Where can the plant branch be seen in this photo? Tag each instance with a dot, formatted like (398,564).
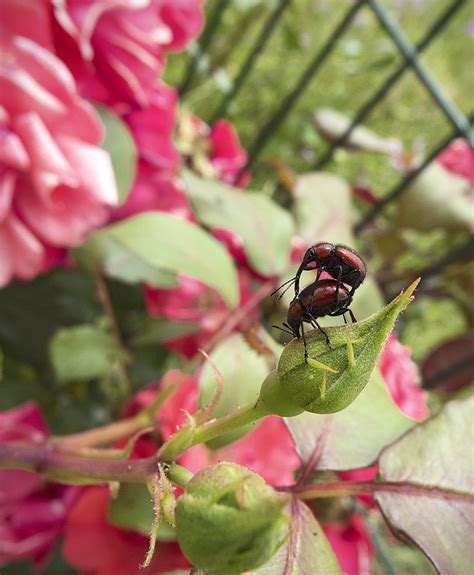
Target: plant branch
(51,464)
(187,437)
(118,429)
(342,488)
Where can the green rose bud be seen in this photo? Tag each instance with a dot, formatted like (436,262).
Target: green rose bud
(229,520)
(274,398)
(334,376)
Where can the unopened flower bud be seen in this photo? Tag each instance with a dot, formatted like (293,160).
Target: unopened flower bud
(229,520)
(333,376)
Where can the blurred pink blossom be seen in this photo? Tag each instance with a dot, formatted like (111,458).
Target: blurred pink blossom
(213,152)
(458,158)
(227,155)
(116,49)
(195,302)
(352,545)
(56,183)
(153,126)
(155,190)
(401,376)
(32,511)
(96,547)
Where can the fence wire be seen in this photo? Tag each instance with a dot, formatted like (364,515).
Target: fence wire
(462,124)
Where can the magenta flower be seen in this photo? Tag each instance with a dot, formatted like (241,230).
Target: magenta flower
(194,302)
(213,152)
(57,184)
(96,547)
(227,155)
(154,190)
(401,376)
(32,511)
(458,158)
(352,545)
(116,49)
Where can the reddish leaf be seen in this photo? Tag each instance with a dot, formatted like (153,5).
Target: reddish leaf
(429,494)
(306,550)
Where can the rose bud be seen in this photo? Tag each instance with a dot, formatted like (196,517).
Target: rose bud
(333,375)
(229,520)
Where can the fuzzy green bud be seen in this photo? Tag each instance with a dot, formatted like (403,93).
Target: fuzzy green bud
(229,520)
(274,398)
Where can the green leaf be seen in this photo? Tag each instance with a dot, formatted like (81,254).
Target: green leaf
(31,312)
(323,208)
(119,144)
(265,228)
(321,391)
(84,352)
(154,331)
(124,264)
(133,509)
(354,437)
(437,198)
(242,371)
(306,549)
(166,246)
(429,496)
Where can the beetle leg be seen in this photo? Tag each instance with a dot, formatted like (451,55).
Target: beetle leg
(314,323)
(353,319)
(304,343)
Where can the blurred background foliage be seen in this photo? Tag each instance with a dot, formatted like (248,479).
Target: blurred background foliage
(361,60)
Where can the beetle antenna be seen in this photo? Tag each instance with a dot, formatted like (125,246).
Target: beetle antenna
(284,330)
(291,280)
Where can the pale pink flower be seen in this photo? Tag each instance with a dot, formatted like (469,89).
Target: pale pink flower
(32,511)
(56,183)
(195,302)
(116,48)
(401,376)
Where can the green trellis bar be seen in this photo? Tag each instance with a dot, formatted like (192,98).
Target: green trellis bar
(308,74)
(247,66)
(451,111)
(203,44)
(401,186)
(384,89)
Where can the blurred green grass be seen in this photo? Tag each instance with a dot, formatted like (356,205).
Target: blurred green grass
(358,65)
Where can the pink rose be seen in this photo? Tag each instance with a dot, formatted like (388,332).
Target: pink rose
(152,129)
(213,152)
(94,546)
(402,379)
(352,545)
(154,190)
(56,184)
(458,158)
(227,155)
(116,49)
(32,511)
(195,302)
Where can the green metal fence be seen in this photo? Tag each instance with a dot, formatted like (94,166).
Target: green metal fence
(410,53)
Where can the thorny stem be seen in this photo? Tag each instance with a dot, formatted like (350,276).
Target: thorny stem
(106,302)
(72,459)
(51,464)
(183,439)
(112,432)
(117,430)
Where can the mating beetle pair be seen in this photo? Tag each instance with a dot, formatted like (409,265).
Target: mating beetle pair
(324,297)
